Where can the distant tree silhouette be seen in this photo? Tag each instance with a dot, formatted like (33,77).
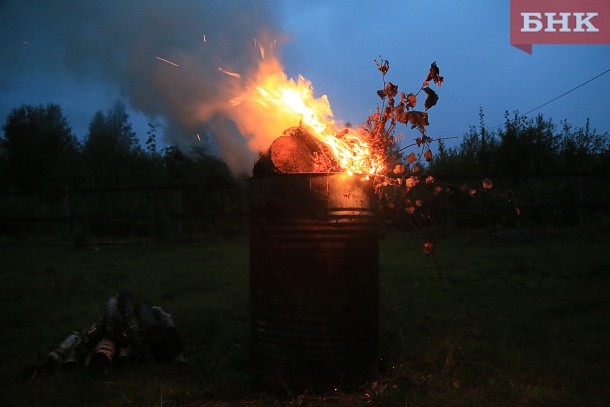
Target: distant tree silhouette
(111,151)
(584,148)
(39,149)
(522,147)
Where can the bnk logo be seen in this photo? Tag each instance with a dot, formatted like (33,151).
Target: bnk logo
(559,22)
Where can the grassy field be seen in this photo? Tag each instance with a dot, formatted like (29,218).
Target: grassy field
(521,318)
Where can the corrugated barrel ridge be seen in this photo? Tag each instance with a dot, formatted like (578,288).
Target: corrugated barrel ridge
(314,279)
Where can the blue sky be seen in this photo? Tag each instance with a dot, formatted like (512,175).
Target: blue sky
(470,42)
(55,52)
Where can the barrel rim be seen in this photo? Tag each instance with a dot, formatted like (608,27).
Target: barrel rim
(308,174)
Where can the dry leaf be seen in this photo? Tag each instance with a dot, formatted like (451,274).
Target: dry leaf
(428,248)
(431,99)
(383,66)
(411,181)
(433,75)
(391,90)
(416,118)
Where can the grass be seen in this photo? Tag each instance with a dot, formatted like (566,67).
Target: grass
(521,318)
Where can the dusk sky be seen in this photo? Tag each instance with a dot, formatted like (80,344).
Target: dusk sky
(85,55)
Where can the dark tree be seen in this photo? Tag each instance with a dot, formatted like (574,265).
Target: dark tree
(111,151)
(39,148)
(583,148)
(527,146)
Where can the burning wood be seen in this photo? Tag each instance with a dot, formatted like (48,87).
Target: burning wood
(128,332)
(296,151)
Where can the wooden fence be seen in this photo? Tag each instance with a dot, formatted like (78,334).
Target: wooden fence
(196,210)
(144,211)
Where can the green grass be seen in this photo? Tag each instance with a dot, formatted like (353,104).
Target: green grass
(520,319)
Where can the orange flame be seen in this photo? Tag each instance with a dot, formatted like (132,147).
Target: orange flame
(277,103)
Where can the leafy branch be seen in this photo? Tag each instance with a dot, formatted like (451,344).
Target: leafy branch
(404,173)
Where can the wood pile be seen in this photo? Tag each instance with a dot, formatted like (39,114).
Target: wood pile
(295,151)
(129,331)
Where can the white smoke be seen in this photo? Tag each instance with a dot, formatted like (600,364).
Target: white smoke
(166,57)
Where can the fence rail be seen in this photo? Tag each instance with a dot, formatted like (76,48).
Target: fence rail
(190,209)
(158,211)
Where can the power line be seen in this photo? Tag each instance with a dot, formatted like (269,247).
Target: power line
(571,90)
(560,96)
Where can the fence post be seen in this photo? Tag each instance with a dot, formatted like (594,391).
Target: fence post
(67,211)
(583,198)
(444,208)
(179,211)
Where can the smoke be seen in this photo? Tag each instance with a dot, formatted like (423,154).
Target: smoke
(179,62)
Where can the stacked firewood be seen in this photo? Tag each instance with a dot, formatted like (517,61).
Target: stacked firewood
(295,151)
(129,331)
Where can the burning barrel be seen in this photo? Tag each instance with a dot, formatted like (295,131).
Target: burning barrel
(314,284)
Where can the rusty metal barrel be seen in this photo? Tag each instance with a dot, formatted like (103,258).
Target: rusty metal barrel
(314,280)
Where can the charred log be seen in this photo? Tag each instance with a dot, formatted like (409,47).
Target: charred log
(296,151)
(290,154)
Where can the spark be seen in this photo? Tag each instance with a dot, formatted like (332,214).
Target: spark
(198,137)
(204,39)
(169,62)
(25,42)
(233,74)
(260,48)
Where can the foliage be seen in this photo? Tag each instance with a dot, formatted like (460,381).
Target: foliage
(40,157)
(46,174)
(531,162)
(39,149)
(524,147)
(111,150)
(405,187)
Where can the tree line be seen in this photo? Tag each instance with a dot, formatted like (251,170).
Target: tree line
(43,165)
(39,153)
(40,157)
(524,147)
(542,173)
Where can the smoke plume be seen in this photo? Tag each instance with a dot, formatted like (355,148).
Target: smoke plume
(179,62)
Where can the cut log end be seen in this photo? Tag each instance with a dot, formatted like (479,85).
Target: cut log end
(296,151)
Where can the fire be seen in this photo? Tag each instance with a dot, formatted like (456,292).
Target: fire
(288,102)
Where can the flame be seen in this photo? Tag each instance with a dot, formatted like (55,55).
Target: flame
(275,98)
